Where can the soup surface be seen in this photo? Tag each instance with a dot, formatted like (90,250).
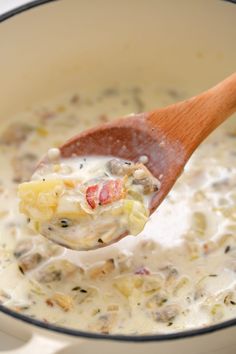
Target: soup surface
(179,273)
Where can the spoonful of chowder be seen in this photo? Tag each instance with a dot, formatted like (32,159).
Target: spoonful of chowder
(89,202)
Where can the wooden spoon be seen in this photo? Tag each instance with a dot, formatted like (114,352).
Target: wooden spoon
(167,136)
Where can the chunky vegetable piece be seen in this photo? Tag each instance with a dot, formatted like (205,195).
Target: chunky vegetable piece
(39,199)
(85,203)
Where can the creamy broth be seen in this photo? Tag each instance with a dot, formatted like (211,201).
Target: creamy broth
(179,273)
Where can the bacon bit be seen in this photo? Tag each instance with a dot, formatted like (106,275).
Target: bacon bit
(111,191)
(49,302)
(91,196)
(142,271)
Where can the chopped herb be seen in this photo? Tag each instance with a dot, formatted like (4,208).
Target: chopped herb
(76,288)
(100,240)
(21,270)
(44,179)
(81,166)
(213,275)
(83,291)
(49,228)
(232,302)
(227,249)
(65,223)
(169,324)
(128,163)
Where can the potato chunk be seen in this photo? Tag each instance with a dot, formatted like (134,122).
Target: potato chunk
(39,199)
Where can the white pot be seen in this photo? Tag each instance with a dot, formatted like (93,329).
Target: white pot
(60,45)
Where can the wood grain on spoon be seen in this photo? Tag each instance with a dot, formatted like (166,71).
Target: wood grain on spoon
(168,136)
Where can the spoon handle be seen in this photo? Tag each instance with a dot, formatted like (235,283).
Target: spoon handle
(191,121)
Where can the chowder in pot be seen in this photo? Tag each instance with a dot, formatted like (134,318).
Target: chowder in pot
(151,54)
(179,274)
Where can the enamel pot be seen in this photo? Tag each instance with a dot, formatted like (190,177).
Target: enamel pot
(48,47)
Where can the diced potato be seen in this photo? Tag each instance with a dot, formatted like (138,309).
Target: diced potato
(102,270)
(67,207)
(127,283)
(199,223)
(181,286)
(38,199)
(152,283)
(217,312)
(137,215)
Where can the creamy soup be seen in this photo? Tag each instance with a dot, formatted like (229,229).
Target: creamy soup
(87,202)
(179,273)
